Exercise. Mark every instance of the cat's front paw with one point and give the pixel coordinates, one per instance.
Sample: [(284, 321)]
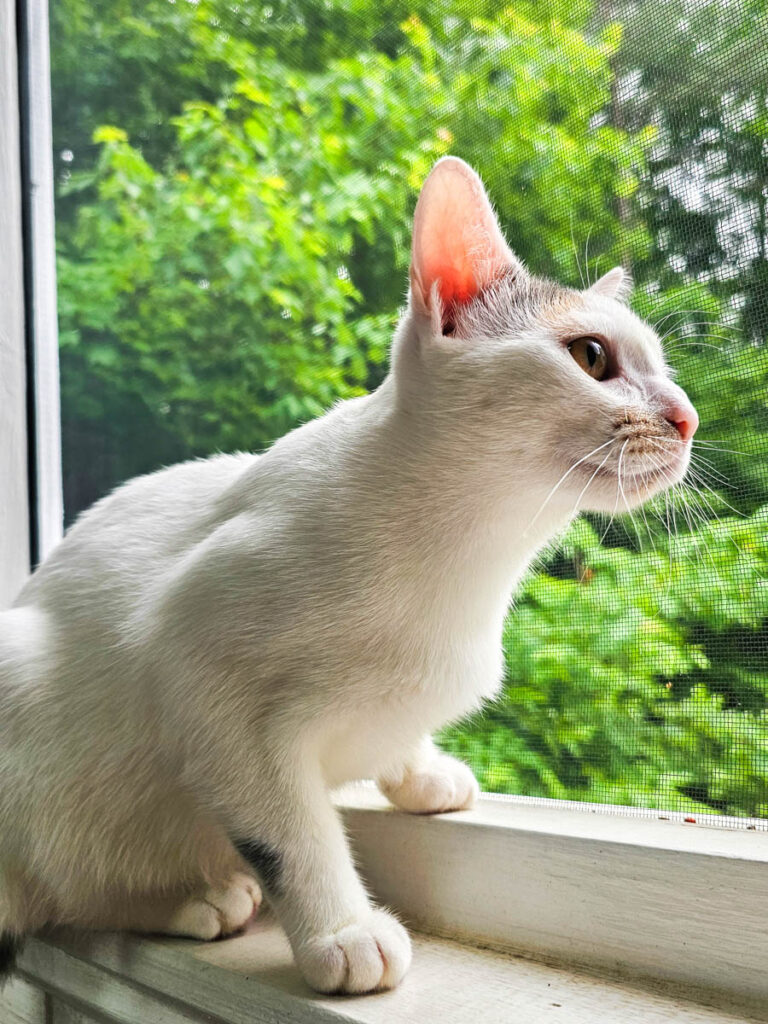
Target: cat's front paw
[(372, 954), (444, 785)]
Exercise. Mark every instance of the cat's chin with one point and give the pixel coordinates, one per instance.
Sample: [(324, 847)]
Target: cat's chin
[(607, 492)]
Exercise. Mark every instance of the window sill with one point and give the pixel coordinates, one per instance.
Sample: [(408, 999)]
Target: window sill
[(677, 907), (673, 914), (78, 978)]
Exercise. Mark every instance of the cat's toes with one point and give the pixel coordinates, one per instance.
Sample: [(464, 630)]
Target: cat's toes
[(372, 954), (446, 785), (236, 903), (217, 912)]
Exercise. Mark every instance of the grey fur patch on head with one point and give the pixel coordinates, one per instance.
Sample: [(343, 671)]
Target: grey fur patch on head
[(510, 303)]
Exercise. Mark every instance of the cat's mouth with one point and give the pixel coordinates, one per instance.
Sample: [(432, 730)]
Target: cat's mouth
[(638, 477)]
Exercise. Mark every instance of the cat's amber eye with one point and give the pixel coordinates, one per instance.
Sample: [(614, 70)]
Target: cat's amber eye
[(590, 355)]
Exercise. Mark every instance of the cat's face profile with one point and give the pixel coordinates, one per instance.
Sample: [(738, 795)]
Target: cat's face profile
[(570, 384)]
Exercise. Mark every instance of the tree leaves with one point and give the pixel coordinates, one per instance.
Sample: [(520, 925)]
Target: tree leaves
[(622, 678)]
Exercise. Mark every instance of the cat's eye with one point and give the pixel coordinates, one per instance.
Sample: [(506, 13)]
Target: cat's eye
[(590, 355)]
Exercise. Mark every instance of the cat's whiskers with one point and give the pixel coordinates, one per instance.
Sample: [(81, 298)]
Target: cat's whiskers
[(598, 261), (692, 335), (660, 470), (675, 312), (586, 256), (616, 503), (576, 254), (696, 480), (684, 325), (672, 494), (718, 448), (685, 508), (635, 475), (663, 471), (562, 480), (697, 472), (704, 464), (685, 344), (624, 496), (700, 475), (670, 515), (708, 443), (678, 327), (658, 442), (586, 485), (693, 494), (678, 500), (691, 497), (670, 545)]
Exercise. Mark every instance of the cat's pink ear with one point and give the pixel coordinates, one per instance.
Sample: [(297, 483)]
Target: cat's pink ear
[(615, 284), (458, 247)]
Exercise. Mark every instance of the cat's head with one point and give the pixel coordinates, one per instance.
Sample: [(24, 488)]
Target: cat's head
[(570, 384)]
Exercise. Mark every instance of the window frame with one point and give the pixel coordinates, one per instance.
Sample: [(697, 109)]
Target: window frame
[(44, 416), (32, 514), (514, 874), (14, 514)]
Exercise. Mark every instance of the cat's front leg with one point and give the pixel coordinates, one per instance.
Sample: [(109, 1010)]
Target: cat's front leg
[(341, 941), (430, 782)]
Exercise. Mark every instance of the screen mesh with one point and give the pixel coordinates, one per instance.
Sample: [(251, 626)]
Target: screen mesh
[(234, 188)]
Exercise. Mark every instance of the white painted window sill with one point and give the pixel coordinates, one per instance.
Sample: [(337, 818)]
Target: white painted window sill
[(673, 914), (678, 907), (74, 978)]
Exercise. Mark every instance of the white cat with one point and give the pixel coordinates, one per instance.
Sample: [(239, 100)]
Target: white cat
[(214, 647)]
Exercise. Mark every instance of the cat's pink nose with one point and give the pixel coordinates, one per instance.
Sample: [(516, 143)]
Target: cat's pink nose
[(682, 416), (670, 401)]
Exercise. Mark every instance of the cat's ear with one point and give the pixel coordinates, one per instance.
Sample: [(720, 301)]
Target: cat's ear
[(616, 284), (458, 247)]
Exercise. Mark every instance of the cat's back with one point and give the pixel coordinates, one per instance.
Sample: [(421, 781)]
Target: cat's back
[(118, 547)]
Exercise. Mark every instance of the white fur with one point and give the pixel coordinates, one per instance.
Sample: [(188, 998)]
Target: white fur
[(215, 646)]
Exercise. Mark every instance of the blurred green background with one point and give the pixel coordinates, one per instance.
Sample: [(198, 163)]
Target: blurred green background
[(234, 189)]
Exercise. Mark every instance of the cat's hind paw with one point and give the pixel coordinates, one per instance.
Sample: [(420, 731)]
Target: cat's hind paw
[(369, 955), (215, 913), (443, 785)]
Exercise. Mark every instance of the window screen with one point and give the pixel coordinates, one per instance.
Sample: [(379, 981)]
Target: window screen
[(234, 188)]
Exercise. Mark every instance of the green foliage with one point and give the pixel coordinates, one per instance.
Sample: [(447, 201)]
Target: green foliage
[(235, 183), (216, 287), (633, 681)]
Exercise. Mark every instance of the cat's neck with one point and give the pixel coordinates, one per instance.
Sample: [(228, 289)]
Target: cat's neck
[(414, 497), (452, 512), (447, 472)]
